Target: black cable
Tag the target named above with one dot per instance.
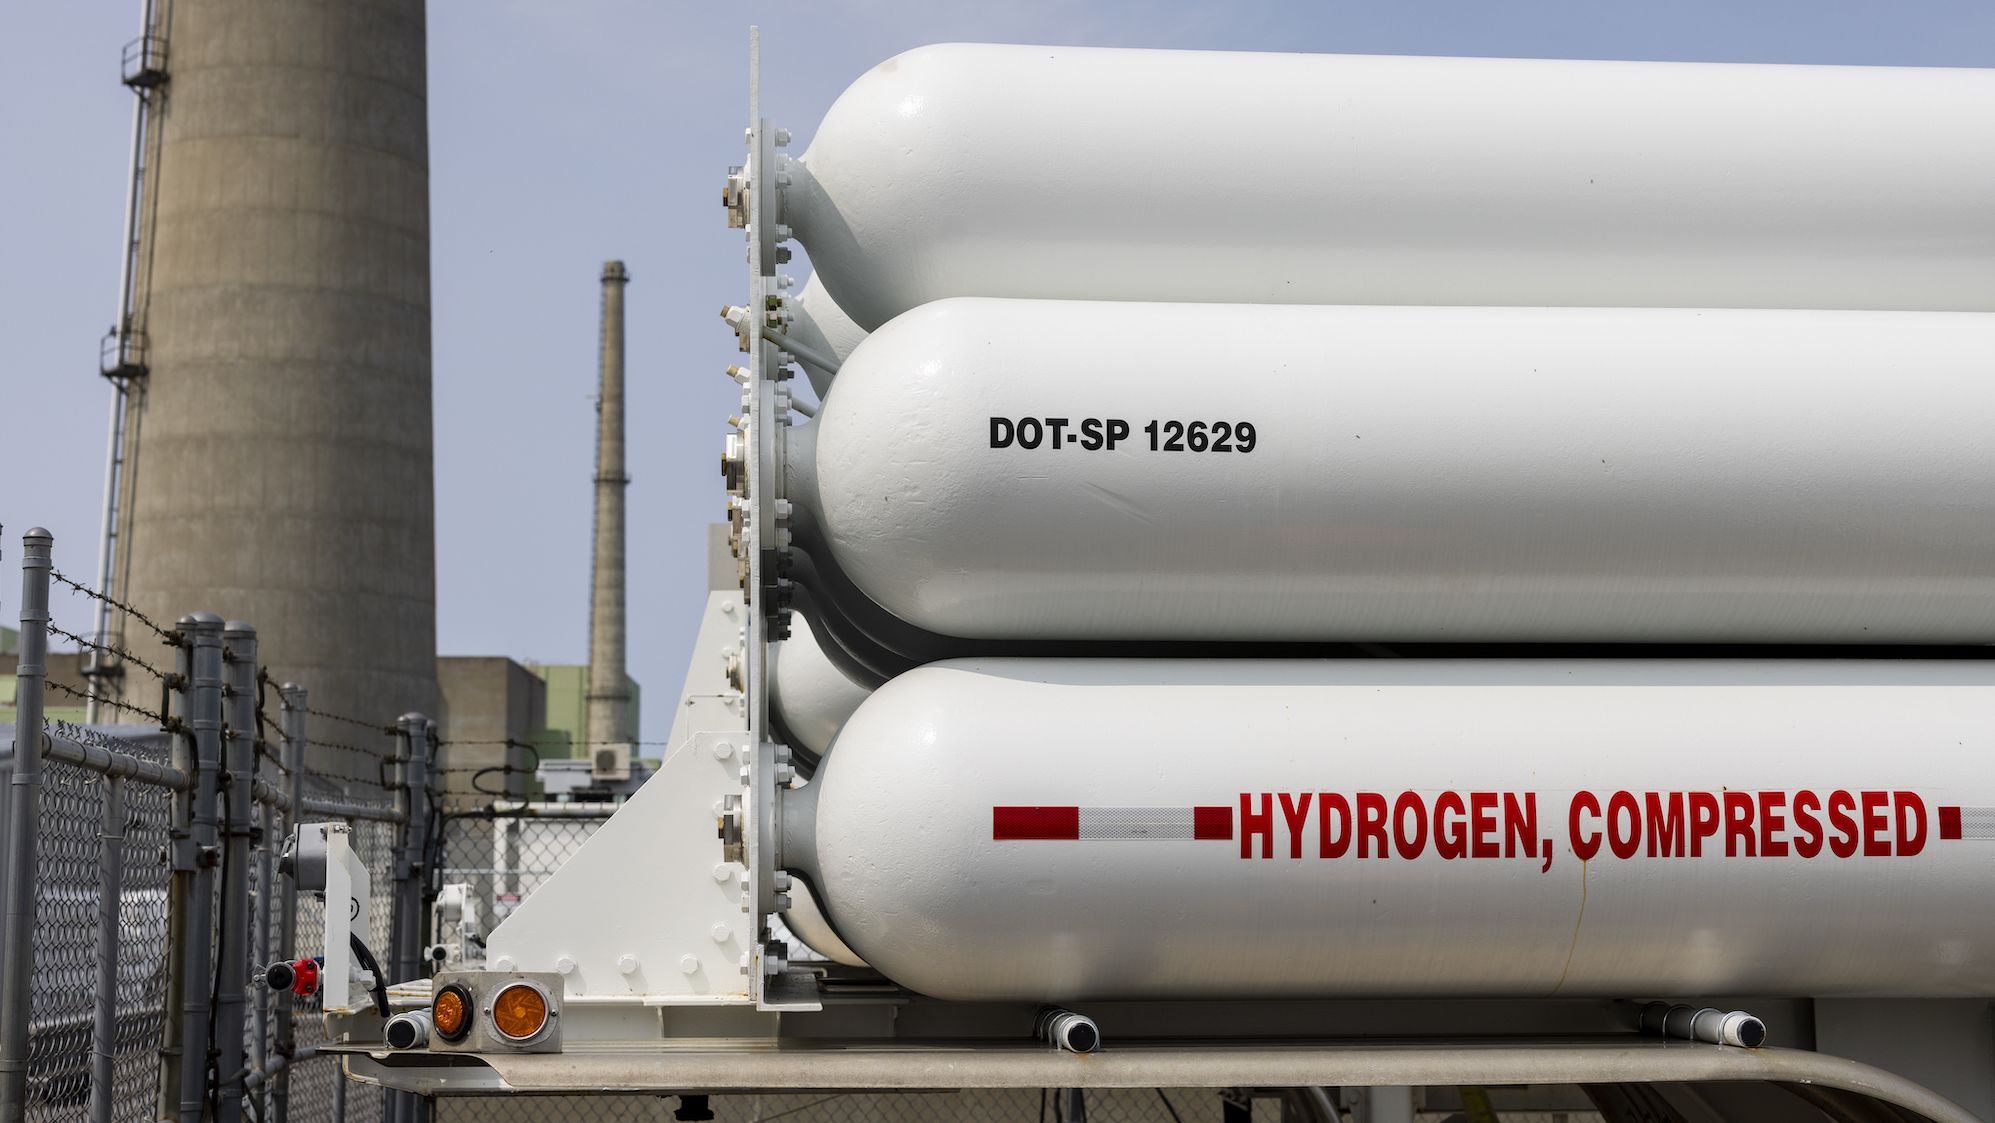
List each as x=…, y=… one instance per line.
x=1168, y=1106
x=373, y=965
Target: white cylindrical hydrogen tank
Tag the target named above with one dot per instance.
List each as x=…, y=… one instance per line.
x=1054, y=830
x=807, y=690
x=1087, y=173
x=1001, y=469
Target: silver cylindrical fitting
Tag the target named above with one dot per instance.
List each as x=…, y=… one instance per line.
x=1692, y=1023
x=1076, y=1033
x=410, y=1031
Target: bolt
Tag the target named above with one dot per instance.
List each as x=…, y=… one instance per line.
x=782, y=138
x=627, y=963
x=689, y=963
x=727, y=606
x=720, y=932
x=722, y=873
x=722, y=750
x=504, y=963
x=565, y=964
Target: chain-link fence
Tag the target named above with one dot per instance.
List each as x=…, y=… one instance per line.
x=502, y=856
x=68, y=917
x=139, y=874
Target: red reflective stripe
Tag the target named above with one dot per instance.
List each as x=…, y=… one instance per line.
x=1949, y=822
x=1212, y=823
x=1012, y=823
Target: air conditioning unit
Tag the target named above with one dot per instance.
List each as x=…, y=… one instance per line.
x=611, y=762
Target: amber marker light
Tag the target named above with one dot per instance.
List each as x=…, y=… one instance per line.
x=520, y=1011
x=451, y=1013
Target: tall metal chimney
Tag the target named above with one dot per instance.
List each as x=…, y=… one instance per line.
x=609, y=689
x=283, y=471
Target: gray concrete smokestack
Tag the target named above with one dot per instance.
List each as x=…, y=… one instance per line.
x=609, y=689
x=283, y=473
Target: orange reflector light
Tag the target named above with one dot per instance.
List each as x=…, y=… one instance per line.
x=451, y=1013
x=520, y=1011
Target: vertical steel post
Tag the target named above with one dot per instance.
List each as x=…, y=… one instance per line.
x=259, y=940
x=286, y=1042
x=110, y=885
x=199, y=854
x=405, y=926
x=238, y=782
x=24, y=789
x=180, y=885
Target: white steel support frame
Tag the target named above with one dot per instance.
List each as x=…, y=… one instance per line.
x=700, y=936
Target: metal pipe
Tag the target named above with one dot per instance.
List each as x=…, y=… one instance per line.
x=1075, y=1033
x=17, y=949
x=342, y=809
x=199, y=853
x=409, y=1030
x=293, y=703
x=278, y=1070
x=110, y=884
x=1693, y=1023
x=803, y=353
x=237, y=782
x=108, y=762
x=269, y=796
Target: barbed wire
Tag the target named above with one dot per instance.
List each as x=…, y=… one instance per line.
x=121, y=606
x=115, y=704
x=370, y=726
x=106, y=649
x=479, y=769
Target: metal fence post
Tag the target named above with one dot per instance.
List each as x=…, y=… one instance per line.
x=17, y=941
x=180, y=883
x=238, y=781
x=110, y=887
x=266, y=904
x=405, y=927
x=412, y=799
x=198, y=854
x=294, y=700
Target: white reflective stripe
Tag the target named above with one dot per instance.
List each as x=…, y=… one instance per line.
x=1110, y=823
x=1975, y=822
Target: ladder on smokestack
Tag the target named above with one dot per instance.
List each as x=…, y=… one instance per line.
x=123, y=357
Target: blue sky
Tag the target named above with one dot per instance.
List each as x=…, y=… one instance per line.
x=566, y=133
